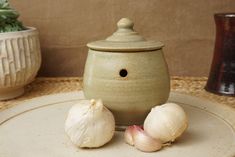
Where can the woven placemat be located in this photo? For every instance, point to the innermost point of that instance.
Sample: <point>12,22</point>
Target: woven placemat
<point>46,86</point>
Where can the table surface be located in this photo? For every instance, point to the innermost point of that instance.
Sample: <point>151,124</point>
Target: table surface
<point>46,86</point>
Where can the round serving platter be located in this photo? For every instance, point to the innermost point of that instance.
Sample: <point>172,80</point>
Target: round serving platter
<point>35,128</point>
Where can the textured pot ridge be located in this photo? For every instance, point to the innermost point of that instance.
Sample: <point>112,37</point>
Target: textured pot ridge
<point>20,60</point>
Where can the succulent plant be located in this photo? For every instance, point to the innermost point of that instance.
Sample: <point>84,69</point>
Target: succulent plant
<point>8,18</point>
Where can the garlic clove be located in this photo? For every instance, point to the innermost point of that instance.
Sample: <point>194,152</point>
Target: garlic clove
<point>128,135</point>
<point>143,141</point>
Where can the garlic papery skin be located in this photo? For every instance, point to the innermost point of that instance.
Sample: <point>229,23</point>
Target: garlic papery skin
<point>90,124</point>
<point>141,140</point>
<point>166,122</point>
<point>128,135</point>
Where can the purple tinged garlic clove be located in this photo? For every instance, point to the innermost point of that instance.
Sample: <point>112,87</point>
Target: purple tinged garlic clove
<point>135,135</point>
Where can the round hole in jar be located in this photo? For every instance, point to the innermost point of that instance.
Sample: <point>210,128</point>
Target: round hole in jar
<point>123,73</point>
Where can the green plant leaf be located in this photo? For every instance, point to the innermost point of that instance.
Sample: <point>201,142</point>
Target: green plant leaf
<point>8,18</point>
<point>4,4</point>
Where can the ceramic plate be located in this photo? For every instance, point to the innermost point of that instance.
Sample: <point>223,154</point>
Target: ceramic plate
<point>35,128</point>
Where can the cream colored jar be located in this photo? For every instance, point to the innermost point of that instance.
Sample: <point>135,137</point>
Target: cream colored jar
<point>128,73</point>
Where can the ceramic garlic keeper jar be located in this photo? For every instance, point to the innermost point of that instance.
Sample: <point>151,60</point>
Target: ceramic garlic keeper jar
<point>128,73</point>
<point>20,60</point>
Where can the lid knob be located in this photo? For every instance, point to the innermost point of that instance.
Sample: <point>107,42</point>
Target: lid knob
<point>125,23</point>
<point>125,32</point>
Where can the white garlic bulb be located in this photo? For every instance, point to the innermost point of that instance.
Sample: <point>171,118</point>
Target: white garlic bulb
<point>90,124</point>
<point>166,122</point>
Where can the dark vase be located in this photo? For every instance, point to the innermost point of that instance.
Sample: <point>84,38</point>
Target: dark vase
<point>222,75</point>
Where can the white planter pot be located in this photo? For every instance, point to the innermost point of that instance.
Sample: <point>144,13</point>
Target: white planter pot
<point>20,60</point>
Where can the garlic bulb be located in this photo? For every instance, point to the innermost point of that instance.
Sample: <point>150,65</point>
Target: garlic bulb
<point>136,136</point>
<point>90,124</point>
<point>166,122</point>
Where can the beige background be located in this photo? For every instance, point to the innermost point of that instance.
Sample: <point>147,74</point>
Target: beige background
<point>185,26</point>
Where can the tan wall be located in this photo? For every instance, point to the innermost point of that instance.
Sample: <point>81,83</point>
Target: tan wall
<point>185,26</point>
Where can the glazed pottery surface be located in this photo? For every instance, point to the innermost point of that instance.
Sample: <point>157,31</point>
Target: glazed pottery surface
<point>128,73</point>
<point>222,74</point>
<point>20,59</point>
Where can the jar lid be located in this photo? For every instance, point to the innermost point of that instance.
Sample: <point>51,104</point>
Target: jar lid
<point>125,39</point>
